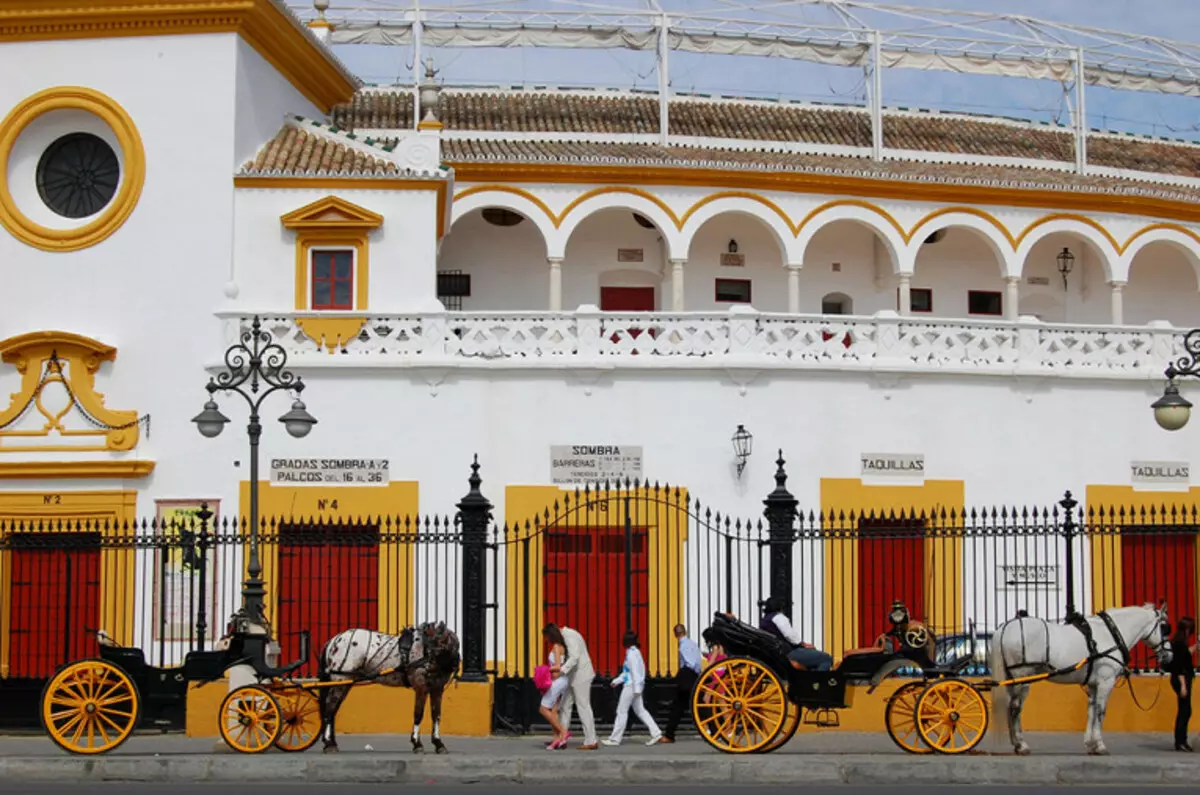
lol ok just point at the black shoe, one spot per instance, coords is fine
(1183, 747)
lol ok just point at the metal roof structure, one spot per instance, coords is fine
(849, 33)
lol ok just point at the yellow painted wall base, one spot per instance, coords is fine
(369, 709)
(1049, 708)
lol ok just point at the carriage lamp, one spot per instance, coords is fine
(1171, 411)
(1066, 261)
(743, 443)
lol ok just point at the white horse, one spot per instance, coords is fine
(1028, 646)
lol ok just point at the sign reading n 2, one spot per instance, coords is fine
(893, 465)
(580, 464)
(330, 471)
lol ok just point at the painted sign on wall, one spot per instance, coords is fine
(902, 465)
(330, 471)
(1160, 472)
(579, 464)
(1022, 576)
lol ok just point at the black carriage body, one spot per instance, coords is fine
(162, 692)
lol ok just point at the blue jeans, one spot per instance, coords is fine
(812, 659)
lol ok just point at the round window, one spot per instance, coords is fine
(77, 175)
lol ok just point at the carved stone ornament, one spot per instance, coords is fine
(58, 407)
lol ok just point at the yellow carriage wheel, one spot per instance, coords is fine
(951, 716)
(791, 722)
(739, 705)
(90, 707)
(249, 720)
(901, 721)
(301, 720)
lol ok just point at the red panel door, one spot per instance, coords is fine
(891, 565)
(589, 574)
(626, 299)
(55, 604)
(328, 583)
(1158, 562)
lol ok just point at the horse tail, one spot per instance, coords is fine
(323, 676)
(999, 669)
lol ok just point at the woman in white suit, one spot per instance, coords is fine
(580, 673)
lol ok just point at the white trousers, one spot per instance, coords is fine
(627, 700)
(579, 693)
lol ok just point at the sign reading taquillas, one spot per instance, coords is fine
(1160, 472)
(896, 465)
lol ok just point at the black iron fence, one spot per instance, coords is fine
(602, 559)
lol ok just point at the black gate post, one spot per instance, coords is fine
(1069, 530)
(474, 513)
(780, 512)
(204, 515)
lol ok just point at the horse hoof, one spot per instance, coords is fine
(330, 749)
(441, 749)
(1098, 752)
(1022, 752)
(418, 749)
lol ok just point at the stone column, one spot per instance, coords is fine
(677, 284)
(793, 289)
(555, 283)
(905, 294)
(1118, 302)
(1012, 297)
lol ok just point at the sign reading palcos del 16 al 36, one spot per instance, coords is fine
(900, 465)
(1161, 472)
(580, 464)
(330, 471)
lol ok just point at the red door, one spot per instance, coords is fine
(1158, 562)
(597, 583)
(891, 565)
(328, 583)
(627, 299)
(55, 604)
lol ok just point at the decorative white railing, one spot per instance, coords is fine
(738, 339)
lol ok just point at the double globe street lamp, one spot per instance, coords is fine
(1172, 411)
(257, 363)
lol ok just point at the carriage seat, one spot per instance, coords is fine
(205, 666)
(130, 659)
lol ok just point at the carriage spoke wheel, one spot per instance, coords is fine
(739, 705)
(791, 722)
(301, 720)
(951, 716)
(89, 707)
(250, 720)
(901, 721)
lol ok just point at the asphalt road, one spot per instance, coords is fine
(390, 789)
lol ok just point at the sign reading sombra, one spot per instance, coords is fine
(579, 464)
(894, 465)
(1160, 472)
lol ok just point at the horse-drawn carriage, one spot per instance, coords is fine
(754, 700)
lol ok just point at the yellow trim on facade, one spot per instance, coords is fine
(943, 553)
(825, 184)
(740, 194)
(991, 219)
(133, 172)
(353, 183)
(667, 527)
(83, 357)
(1107, 566)
(109, 512)
(57, 470)
(332, 222)
(644, 194)
(274, 33)
(397, 500)
(524, 194)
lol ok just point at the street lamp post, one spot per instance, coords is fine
(1172, 411)
(256, 362)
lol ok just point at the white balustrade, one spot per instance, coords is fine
(740, 338)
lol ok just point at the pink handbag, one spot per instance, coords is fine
(542, 679)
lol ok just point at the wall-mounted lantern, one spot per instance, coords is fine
(743, 444)
(733, 248)
(1066, 261)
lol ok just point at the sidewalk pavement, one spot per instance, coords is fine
(828, 758)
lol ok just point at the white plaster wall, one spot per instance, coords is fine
(763, 257)
(507, 265)
(150, 288)
(845, 257)
(1162, 286)
(402, 250)
(263, 98)
(591, 253)
(952, 267)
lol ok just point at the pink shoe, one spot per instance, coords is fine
(562, 743)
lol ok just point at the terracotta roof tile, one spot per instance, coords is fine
(580, 112)
(297, 151)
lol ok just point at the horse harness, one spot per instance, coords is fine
(1080, 623)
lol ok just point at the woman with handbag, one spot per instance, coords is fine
(550, 680)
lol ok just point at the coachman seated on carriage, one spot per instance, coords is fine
(803, 656)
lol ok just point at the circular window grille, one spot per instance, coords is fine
(77, 175)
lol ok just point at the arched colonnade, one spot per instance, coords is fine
(1010, 248)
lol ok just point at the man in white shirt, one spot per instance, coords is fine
(579, 672)
(803, 654)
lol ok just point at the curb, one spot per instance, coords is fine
(788, 770)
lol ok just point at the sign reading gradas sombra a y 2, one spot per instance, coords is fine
(579, 464)
(330, 471)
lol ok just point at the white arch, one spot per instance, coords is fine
(1100, 243)
(508, 201)
(891, 237)
(740, 205)
(1180, 241)
(620, 200)
(1000, 245)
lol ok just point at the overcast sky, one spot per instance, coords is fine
(777, 78)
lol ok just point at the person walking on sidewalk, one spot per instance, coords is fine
(580, 673)
(553, 695)
(685, 679)
(632, 682)
(1183, 672)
